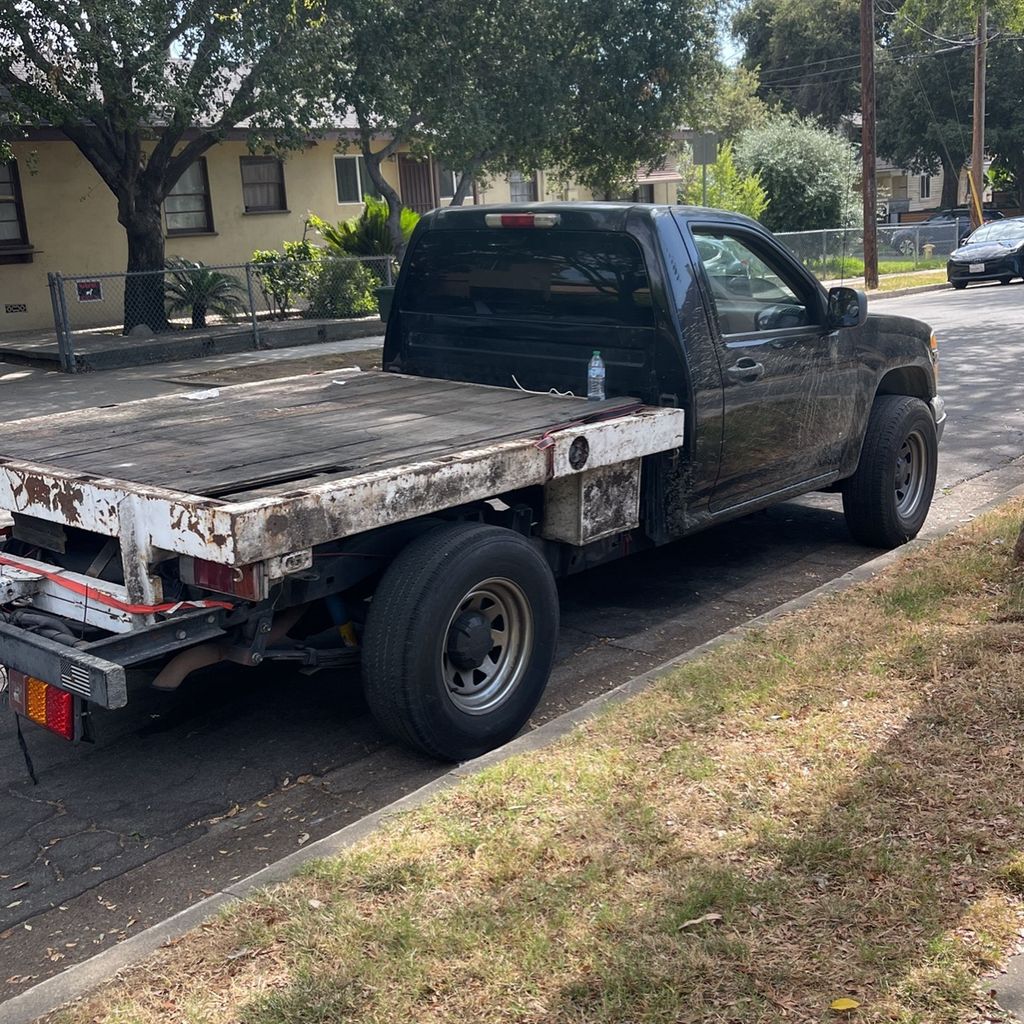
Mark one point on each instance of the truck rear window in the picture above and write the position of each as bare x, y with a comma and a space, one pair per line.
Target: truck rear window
592, 277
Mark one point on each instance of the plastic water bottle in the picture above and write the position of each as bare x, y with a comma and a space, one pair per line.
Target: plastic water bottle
595, 378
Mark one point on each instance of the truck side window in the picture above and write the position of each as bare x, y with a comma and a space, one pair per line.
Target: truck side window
751, 293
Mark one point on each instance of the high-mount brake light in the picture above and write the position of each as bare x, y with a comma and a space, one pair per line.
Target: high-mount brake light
522, 220
49, 706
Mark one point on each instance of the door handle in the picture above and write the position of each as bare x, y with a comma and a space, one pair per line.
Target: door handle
745, 370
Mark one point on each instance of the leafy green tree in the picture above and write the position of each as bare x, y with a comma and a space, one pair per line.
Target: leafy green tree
727, 188
590, 90
1004, 130
634, 71
145, 87
809, 174
806, 54
924, 115
729, 103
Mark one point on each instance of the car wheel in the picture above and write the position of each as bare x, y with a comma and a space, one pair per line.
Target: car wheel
905, 246
460, 639
959, 285
886, 501
1005, 280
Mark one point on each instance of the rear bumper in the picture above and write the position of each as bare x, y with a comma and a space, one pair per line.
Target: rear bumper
101, 682
938, 408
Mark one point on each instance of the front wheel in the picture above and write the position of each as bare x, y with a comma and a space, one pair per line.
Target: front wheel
959, 285
886, 501
459, 640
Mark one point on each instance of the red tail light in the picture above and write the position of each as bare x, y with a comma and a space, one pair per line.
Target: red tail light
49, 706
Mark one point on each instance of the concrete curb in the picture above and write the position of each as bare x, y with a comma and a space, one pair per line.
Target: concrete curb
913, 290
77, 981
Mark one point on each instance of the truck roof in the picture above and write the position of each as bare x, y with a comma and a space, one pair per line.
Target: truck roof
589, 216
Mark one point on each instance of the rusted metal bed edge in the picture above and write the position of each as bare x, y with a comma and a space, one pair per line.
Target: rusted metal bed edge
149, 520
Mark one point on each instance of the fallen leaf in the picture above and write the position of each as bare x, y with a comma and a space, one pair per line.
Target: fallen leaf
703, 919
20, 885
316, 904
303, 779
16, 903
843, 1005
304, 838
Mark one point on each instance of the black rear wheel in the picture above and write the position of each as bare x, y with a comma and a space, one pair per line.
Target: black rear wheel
886, 501
459, 640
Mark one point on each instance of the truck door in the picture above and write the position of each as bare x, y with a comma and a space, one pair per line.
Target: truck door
788, 403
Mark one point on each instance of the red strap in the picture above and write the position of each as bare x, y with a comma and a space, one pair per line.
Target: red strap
84, 590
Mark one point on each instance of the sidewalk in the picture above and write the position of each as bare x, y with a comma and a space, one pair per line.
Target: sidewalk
32, 391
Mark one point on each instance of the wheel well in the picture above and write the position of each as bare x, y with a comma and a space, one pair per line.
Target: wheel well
907, 380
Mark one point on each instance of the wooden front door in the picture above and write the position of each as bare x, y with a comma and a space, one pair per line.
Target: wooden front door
417, 184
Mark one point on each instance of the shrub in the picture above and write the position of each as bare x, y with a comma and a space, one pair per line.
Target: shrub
285, 276
342, 288
728, 189
809, 174
194, 288
367, 234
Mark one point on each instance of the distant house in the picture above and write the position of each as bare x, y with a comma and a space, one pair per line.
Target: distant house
902, 194
56, 214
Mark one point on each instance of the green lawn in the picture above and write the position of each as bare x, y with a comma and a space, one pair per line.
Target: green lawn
829, 808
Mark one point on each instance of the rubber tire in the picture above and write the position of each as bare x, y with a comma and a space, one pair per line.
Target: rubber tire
1005, 280
405, 627
869, 498
959, 285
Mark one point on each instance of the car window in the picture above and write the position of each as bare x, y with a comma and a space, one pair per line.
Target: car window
752, 291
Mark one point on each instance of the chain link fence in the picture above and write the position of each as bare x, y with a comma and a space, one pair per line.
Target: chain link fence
194, 303
902, 248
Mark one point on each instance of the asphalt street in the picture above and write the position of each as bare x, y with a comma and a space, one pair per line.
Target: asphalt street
184, 793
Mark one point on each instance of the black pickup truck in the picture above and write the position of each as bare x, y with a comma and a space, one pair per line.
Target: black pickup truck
415, 520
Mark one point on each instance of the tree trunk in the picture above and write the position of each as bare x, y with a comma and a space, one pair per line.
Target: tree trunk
391, 197
1018, 548
465, 184
143, 289
950, 184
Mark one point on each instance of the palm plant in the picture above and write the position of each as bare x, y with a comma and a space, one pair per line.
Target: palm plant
195, 288
367, 234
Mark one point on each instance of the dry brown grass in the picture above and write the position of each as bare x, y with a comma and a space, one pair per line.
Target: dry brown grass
830, 807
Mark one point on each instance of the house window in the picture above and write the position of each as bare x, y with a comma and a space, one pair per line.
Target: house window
644, 193
926, 186
187, 208
263, 184
447, 182
12, 210
353, 180
522, 189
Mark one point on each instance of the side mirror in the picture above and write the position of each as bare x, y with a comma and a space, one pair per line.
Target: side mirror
847, 307
385, 296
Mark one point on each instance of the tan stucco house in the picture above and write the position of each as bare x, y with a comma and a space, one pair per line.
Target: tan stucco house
57, 215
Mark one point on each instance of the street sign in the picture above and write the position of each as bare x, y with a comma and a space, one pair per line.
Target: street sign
705, 148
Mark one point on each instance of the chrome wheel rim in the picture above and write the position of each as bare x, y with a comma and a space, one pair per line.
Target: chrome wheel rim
910, 474
487, 646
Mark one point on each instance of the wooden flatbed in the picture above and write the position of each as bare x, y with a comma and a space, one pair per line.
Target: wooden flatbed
257, 471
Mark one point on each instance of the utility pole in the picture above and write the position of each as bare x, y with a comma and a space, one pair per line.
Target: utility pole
978, 133
867, 141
